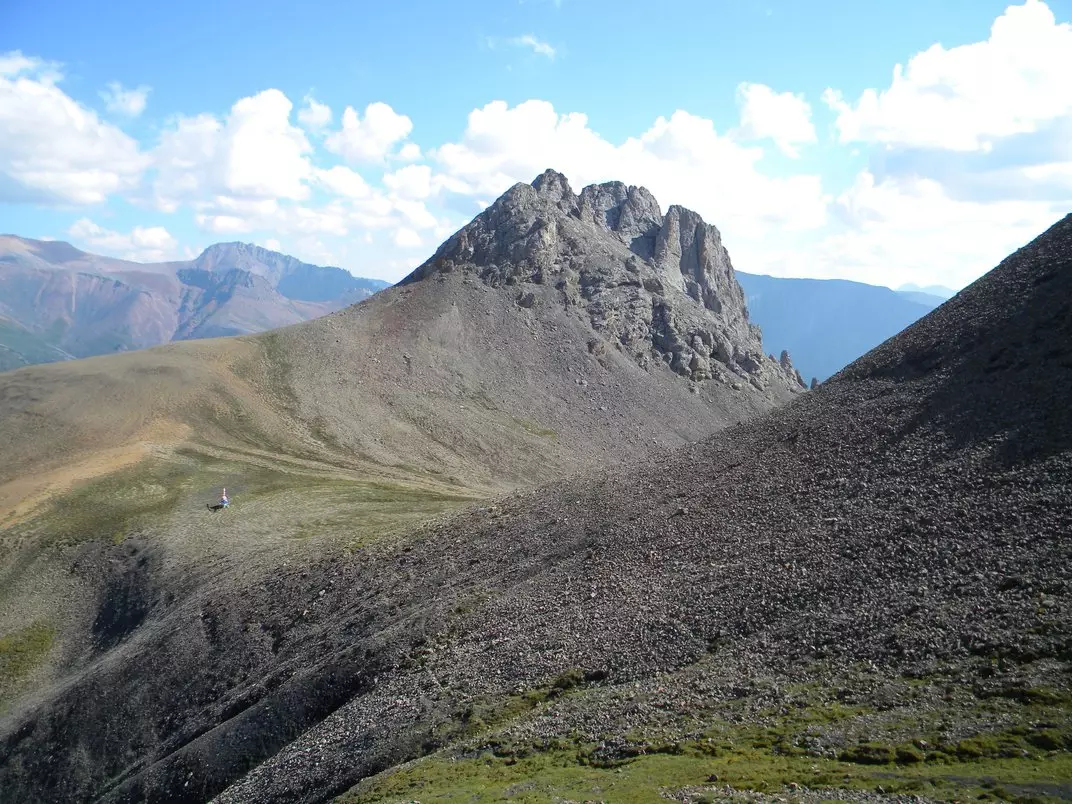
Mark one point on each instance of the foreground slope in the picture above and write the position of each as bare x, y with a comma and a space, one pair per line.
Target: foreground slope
64, 302
869, 587
126, 605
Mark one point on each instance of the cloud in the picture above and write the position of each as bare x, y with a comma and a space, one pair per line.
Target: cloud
901, 230
54, 150
411, 181
410, 152
404, 237
341, 180
537, 46
369, 139
969, 156
126, 102
255, 153
782, 117
681, 159
314, 116
141, 244
272, 244
966, 97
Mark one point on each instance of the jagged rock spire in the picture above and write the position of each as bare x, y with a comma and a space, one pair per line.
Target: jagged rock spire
658, 285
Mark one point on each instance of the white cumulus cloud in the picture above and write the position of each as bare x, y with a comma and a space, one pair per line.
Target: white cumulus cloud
255, 153
126, 102
404, 237
411, 181
910, 229
782, 117
52, 148
970, 156
314, 115
341, 180
141, 244
682, 159
369, 139
964, 98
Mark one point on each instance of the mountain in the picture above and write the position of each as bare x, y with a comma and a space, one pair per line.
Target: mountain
864, 587
62, 302
556, 333
926, 299
826, 323
934, 291
20, 347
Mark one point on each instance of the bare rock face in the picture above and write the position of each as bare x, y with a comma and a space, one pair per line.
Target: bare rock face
660, 287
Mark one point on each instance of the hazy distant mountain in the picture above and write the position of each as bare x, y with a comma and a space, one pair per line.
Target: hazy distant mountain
926, 294
57, 302
826, 323
926, 299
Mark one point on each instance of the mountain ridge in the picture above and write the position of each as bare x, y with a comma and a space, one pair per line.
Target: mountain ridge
84, 304
826, 323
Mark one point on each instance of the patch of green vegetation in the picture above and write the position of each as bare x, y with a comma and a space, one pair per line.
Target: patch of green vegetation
533, 428
21, 652
562, 770
765, 752
110, 507
482, 714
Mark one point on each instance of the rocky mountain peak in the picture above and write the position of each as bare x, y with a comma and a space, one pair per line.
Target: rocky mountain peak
660, 286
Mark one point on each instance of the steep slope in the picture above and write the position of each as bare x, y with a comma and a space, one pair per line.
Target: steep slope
83, 304
332, 436
860, 589
826, 323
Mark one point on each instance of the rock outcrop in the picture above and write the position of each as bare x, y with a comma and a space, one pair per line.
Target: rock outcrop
658, 286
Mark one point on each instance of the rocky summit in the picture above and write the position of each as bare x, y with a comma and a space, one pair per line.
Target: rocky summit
658, 287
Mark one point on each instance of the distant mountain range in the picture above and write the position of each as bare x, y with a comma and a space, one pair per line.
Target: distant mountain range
932, 295
58, 303
825, 324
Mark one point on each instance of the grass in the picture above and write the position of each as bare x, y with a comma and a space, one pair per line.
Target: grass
568, 772
111, 506
21, 652
297, 501
765, 753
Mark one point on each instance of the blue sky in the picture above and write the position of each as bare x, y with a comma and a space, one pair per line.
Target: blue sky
152, 130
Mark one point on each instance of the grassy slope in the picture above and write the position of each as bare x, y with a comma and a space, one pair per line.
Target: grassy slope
925, 738
176, 425
327, 435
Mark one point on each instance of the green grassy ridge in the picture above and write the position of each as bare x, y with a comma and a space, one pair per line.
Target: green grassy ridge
1030, 760
555, 776
21, 652
572, 770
